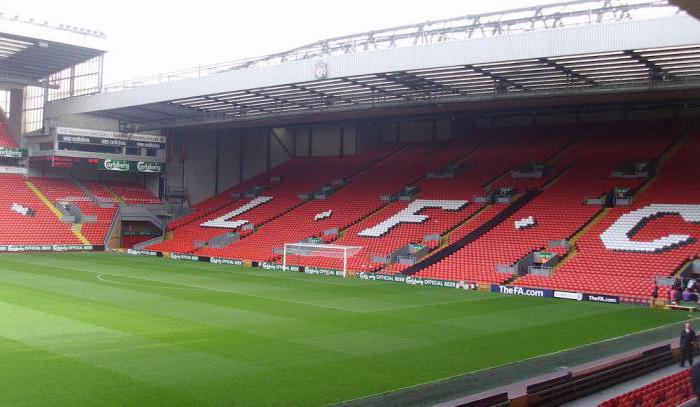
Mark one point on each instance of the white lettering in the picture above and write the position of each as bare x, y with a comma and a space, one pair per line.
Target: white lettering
410, 215
619, 235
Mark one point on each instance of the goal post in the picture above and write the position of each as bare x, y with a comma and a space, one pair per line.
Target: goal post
320, 250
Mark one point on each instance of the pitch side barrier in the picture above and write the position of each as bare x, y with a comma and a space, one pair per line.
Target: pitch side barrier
401, 278
49, 248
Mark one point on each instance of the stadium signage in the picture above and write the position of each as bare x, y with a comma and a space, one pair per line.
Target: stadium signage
91, 134
135, 252
524, 291
230, 262
130, 166
400, 278
276, 266
45, 248
321, 271
12, 152
13, 170
181, 256
109, 142
568, 295
608, 299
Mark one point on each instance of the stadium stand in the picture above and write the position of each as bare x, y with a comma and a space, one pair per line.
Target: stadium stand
131, 193
490, 162
588, 174
310, 176
483, 164
670, 391
26, 219
64, 190
356, 200
596, 268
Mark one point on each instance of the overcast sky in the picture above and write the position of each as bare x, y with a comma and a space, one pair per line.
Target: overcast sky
147, 37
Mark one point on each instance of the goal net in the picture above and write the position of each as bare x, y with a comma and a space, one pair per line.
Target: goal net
320, 250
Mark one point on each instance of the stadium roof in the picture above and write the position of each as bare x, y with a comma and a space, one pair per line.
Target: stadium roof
578, 47
32, 50
691, 6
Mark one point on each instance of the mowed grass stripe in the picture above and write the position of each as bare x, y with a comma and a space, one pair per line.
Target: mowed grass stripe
59, 380
224, 335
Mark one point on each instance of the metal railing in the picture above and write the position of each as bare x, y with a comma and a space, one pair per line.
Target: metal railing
550, 16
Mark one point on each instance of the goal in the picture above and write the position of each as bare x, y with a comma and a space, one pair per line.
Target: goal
320, 250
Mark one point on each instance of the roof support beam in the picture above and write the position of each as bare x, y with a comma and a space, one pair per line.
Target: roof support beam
570, 73
376, 89
417, 83
656, 72
501, 83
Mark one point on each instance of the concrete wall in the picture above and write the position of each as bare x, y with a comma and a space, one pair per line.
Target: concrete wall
14, 121
88, 121
218, 159
230, 147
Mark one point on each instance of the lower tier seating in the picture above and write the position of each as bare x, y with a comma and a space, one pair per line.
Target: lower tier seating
670, 391
26, 220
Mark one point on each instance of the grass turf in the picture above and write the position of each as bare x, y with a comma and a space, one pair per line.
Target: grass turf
101, 329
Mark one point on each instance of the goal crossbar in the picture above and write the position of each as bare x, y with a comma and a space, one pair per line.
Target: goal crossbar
321, 250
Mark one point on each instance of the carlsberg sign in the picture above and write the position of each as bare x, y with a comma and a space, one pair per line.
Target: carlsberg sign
116, 165
133, 166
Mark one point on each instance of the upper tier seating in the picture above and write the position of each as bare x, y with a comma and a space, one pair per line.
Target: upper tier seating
43, 227
132, 193
559, 211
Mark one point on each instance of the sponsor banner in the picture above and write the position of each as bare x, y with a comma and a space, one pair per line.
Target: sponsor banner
182, 256
108, 142
131, 166
276, 266
12, 152
397, 278
90, 133
45, 248
230, 262
135, 252
322, 271
400, 278
13, 170
140, 233
525, 291
608, 299
568, 295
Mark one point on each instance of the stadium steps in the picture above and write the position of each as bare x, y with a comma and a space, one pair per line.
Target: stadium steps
44, 198
478, 232
116, 196
574, 249
476, 215
76, 228
563, 151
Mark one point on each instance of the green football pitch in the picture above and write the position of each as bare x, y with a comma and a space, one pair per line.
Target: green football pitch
100, 329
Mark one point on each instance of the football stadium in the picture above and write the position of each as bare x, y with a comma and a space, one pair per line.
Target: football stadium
490, 209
